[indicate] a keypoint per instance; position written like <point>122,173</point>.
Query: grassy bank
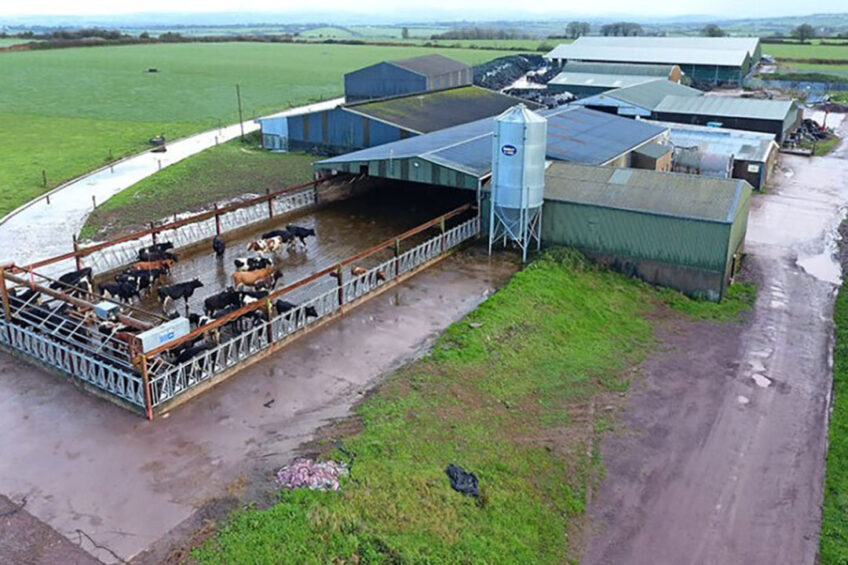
<point>833,544</point>
<point>65,110</point>
<point>217,174</point>
<point>518,392</point>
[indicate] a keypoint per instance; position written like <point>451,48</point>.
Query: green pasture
<point>64,110</point>
<point>811,51</point>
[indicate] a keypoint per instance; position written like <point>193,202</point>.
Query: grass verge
<point>833,543</point>
<point>739,298</point>
<point>220,173</point>
<point>509,393</point>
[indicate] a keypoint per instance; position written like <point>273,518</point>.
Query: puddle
<point>761,380</point>
<point>777,304</point>
<point>822,266</point>
<point>743,400</point>
<point>757,366</point>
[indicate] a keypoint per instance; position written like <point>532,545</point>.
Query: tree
<point>404,33</point>
<point>622,28</point>
<point>144,35</point>
<point>712,30</point>
<point>576,29</point>
<point>804,32</point>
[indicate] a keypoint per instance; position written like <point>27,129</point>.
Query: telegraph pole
<point>241,120</point>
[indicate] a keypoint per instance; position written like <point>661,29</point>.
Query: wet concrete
<point>43,230</point>
<point>87,465</point>
<point>343,228</point>
<point>723,457</point>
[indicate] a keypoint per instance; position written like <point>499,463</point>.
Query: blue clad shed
<point>406,76</point>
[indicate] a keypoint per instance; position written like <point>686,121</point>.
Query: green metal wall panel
<point>678,241</point>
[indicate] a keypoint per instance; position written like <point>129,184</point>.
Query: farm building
<point>350,127</point>
<point>714,60</point>
<point>653,156</point>
<point>637,100</point>
<point>677,230</point>
<point>751,155</point>
<point>406,76</point>
<point>461,156</point>
<point>588,79</point>
<point>777,117</point>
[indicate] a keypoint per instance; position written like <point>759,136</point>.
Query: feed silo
<point>518,178</point>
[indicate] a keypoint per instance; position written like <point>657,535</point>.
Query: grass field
<point>63,110</point>
<point>7,41</point>
<point>812,51</point>
<point>230,170</point>
<point>506,393</point>
<point>833,543</point>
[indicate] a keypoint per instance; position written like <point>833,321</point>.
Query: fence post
<point>145,381</point>
<point>339,276</point>
<point>270,203</point>
<point>77,258</point>
<point>315,190</point>
<point>44,177</point>
<point>397,258</point>
<point>269,308</point>
<point>444,240</point>
<point>217,221</point>
<point>7,314</point>
<point>153,232</point>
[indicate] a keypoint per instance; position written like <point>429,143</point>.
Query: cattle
<point>283,234</point>
<point>229,297</point>
<point>259,277</point>
<point>358,271</point>
<point>270,245</point>
<point>121,290</point>
<point>147,255</point>
<point>178,291</point>
<point>74,281</point>
<point>218,246</point>
<point>198,320</point>
<point>251,263</point>
<point>142,279</point>
<point>300,233</point>
<point>193,351</point>
<point>250,296</point>
<point>20,296</point>
<point>283,306</point>
<point>163,246</point>
<point>164,264</point>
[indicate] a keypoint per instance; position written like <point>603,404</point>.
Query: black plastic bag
<point>462,481</point>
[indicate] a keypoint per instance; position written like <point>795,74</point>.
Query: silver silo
<point>518,178</point>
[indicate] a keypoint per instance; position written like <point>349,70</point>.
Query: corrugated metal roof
<point>663,71</point>
<point>727,106</point>
<point>431,65</point>
<point>651,192</point>
<point>425,112</point>
<point>730,52</point>
<point>743,145</point>
<point>567,79</point>
<point>748,44</point>
<point>654,150</point>
<point>574,134</point>
<point>647,95</point>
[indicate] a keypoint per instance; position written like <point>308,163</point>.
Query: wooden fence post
<point>145,382</point>
<point>153,233</point>
<point>77,258</point>
<point>217,220</point>
<point>4,295</point>
<point>270,203</point>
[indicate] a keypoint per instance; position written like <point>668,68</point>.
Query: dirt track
<point>722,460</point>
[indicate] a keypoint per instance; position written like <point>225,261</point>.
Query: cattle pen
<point>96,340</point>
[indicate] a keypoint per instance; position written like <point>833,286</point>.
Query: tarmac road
<point>722,460</point>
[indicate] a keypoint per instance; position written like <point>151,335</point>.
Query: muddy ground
<point>720,453</point>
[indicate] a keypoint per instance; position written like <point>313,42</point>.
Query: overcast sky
<point>456,8</point>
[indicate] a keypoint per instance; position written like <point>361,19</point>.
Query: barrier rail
<point>172,381</point>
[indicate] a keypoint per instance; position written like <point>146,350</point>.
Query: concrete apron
<point>84,464</point>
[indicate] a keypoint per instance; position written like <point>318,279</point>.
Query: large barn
<point>588,79</point>
<point>637,100</point>
<point>777,117</point>
<point>406,76</point>
<point>715,60</point>
<point>350,127</point>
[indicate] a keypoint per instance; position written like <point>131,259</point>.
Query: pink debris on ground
<point>311,474</point>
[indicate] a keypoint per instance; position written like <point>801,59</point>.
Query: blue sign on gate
<point>509,150</point>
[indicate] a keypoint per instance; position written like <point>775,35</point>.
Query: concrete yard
<point>721,454</point>
<point>84,464</point>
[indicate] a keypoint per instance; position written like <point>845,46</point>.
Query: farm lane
<point>723,458</point>
<point>39,230</point>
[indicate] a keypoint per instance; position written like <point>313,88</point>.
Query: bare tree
<point>804,32</point>
<point>576,29</point>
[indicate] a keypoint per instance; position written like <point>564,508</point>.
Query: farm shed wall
<point>336,131</point>
<point>382,80</point>
<point>275,133</point>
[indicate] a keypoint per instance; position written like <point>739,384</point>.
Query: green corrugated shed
<point>678,230</point>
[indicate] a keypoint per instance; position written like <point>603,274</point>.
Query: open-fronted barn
<point>715,60</point>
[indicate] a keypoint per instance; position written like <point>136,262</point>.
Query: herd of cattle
<point>254,278</point>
